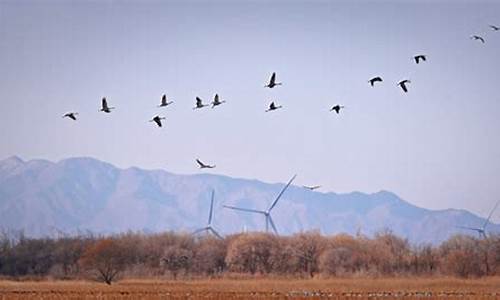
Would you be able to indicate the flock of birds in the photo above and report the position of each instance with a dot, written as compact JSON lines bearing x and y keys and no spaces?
{"x":157,"y":119}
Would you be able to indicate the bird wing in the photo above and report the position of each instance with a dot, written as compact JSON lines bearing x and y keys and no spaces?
{"x":200,"y":163}
{"x":403,"y":86}
{"x":477,"y":37}
{"x":216,"y":98}
{"x":72,"y":116}
{"x":416,"y":59}
{"x":311,"y":187}
{"x":164,"y":100}
{"x":198,"y":101}
{"x":272,"y":106}
{"x":157,"y":120}
{"x":104,"y":103}
{"x":273,"y":78}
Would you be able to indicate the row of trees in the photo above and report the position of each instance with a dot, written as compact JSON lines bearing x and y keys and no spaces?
{"x":303,"y":255}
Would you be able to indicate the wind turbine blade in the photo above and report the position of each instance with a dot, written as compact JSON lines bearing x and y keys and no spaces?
{"x":211,"y":208}
{"x":281,"y":193}
{"x":215,"y":232}
{"x":199,"y":230}
{"x":245,"y":209}
{"x":272,"y":225}
{"x":469,"y":228}
{"x":491,"y":213}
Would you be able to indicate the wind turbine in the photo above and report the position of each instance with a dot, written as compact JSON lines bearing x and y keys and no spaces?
{"x":266,"y":213}
{"x":482,"y":230}
{"x":209,"y":227}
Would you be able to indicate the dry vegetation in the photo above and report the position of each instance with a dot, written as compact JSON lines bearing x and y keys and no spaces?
{"x":389,"y":288}
{"x":254,"y":265}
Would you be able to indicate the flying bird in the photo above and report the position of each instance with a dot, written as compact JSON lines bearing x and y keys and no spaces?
{"x":164,"y":101}
{"x":217,"y":101}
{"x":105,"y":108}
{"x":477,"y":38}
{"x":494,"y":28}
{"x":204,"y":166}
{"x":337,"y":108}
{"x":71,"y":115}
{"x":157,"y":119}
{"x":419,"y":58}
{"x":312,"y":188}
{"x":273,"y":106}
{"x":199,"y":103}
{"x":272,"y":81}
{"x":375,"y":79}
{"x":403,"y":83}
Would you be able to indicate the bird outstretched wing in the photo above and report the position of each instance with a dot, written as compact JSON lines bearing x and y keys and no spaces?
{"x":403,"y":86}
{"x":199,"y":102}
{"x":273,"y":79}
{"x":200,"y":163}
{"x":157,"y":120}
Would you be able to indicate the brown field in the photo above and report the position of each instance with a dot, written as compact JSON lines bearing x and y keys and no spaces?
{"x":388,"y":288}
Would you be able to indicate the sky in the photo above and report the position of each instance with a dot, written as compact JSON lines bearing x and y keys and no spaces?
{"x":436,"y":146}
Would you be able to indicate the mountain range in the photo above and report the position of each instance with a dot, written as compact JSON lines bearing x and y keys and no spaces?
{"x":84,"y":194}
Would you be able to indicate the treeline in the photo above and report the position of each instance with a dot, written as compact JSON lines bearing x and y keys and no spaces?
{"x":308,"y":254}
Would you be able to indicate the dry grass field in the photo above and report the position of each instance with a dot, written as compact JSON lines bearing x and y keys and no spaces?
{"x":388,"y":288}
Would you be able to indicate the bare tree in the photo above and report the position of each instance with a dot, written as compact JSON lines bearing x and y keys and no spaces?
{"x":176,"y":259}
{"x":461,"y":256}
{"x":308,"y":247}
{"x":179,"y":255}
{"x":107,"y":257}
{"x":210,"y":255}
{"x":250,"y":253}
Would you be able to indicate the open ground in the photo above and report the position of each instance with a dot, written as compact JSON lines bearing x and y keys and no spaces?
{"x":359,"y":288}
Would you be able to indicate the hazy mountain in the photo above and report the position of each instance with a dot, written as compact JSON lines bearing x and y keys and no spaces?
{"x":41,"y":197}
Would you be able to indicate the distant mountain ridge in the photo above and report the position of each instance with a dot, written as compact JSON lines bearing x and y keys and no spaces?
{"x":41,"y":197}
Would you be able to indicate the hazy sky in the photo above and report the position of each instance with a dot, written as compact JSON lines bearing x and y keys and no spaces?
{"x":437,"y":146}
